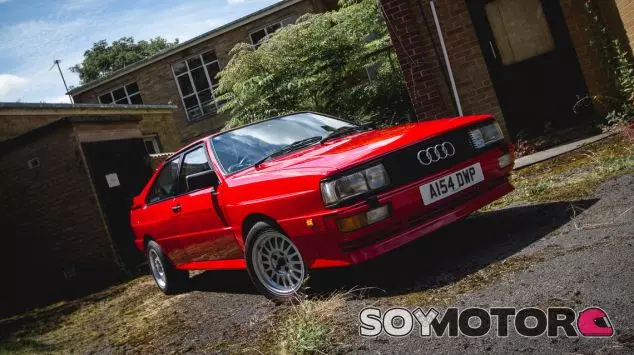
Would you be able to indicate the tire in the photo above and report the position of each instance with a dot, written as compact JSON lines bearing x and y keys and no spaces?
{"x":275,"y":265}
{"x":168,"y":279}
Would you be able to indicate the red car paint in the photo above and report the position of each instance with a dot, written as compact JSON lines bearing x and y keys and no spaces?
{"x":287,"y":190}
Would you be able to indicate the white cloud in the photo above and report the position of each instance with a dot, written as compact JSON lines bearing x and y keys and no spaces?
{"x":10,"y":86}
{"x":28,"y":48}
{"x":3,"y":1}
{"x":235,"y":2}
{"x":64,"y":99}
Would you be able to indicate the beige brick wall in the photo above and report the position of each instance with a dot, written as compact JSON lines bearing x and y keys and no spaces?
{"x":158,"y":86}
{"x":11,"y":126}
{"x":626,"y":11}
{"x":159,"y":123}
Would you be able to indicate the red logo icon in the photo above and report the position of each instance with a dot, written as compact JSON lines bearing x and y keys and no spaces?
{"x":594,"y":322}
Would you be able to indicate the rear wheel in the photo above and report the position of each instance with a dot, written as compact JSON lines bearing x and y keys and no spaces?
{"x":167,"y":277}
{"x":275,"y":265}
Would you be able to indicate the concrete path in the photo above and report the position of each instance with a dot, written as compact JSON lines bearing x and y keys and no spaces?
{"x":553,"y":152}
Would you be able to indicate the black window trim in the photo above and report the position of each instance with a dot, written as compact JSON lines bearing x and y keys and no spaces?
{"x":124,"y":87}
{"x":185,"y":152}
{"x":211,"y":81}
{"x":179,"y":156}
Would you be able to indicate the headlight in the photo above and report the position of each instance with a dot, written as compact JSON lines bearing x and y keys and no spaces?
{"x":486,"y":135}
{"x":354,"y":184}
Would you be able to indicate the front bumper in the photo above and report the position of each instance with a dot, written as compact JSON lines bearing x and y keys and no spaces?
{"x":326,"y":246}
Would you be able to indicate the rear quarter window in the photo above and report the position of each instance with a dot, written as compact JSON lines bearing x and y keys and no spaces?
{"x":166,"y":182}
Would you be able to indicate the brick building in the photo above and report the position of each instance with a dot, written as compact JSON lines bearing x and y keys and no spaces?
{"x":185,"y":75}
{"x":65,"y":192}
{"x":528,"y":62}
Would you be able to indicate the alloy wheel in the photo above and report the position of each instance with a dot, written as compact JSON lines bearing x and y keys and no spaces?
{"x":277,"y":263}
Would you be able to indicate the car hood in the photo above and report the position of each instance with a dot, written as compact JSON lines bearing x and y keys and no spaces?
{"x":342,"y":153}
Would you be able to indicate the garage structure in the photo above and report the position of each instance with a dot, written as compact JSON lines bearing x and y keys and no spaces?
{"x":66,"y":189}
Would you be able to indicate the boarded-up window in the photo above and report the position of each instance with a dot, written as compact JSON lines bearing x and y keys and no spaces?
{"x":520,"y":29}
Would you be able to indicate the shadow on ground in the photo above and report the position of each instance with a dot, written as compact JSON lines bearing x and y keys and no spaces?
{"x":433,"y":261}
{"x":453,"y":253}
{"x":225,"y":281}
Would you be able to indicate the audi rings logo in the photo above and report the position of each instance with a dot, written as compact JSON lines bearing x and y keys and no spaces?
{"x":436,"y":153}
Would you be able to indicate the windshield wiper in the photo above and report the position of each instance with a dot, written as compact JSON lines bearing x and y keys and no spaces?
{"x":343,"y":131}
{"x":289,"y":148}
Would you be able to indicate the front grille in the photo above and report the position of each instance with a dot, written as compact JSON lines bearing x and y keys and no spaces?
{"x":403,"y":165}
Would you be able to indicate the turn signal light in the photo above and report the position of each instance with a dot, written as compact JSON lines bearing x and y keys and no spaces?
{"x":361,"y":220}
{"x":504,"y":160}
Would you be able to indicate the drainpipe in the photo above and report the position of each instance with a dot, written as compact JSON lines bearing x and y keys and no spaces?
{"x":444,"y":52}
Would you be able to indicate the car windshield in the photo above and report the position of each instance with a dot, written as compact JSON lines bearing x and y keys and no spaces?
{"x":244,"y":147}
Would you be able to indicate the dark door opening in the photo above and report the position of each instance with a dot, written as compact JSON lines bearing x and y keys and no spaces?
{"x":119,"y":169}
{"x":532,"y":62}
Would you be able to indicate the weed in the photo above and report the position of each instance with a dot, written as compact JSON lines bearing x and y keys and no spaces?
{"x":570,"y":176}
{"x":308,"y":327}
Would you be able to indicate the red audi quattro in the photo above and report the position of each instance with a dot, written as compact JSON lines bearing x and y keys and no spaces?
{"x":304,"y":191}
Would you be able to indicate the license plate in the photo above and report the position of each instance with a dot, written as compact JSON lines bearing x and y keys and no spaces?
{"x":451,"y":184}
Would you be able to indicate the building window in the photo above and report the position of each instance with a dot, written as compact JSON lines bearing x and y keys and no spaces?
{"x":125,"y":95}
{"x":196,"y":80}
{"x":260,"y":35}
{"x":152,"y":144}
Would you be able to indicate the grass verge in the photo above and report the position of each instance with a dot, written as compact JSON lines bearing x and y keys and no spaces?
{"x":123,"y":317}
{"x":570,"y":176}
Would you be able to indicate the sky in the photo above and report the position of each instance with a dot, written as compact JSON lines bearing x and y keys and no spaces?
{"x":34,"y":33}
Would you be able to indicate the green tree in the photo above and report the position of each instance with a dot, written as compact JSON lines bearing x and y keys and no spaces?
{"x":339,"y":62}
{"x":103,"y":59}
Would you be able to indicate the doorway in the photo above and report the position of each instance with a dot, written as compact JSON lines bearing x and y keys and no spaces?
{"x":532,"y":63}
{"x":119,"y":169}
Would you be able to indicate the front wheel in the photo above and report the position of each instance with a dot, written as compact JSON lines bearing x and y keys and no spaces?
{"x":275,"y":265}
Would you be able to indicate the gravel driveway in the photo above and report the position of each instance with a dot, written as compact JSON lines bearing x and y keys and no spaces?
{"x":575,"y":253}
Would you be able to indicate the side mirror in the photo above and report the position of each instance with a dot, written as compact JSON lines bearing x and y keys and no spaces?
{"x":201,"y":180}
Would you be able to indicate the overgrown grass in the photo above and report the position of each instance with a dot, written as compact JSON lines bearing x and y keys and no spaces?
{"x":125,"y":315}
{"x":570,"y":176}
{"x":311,"y":326}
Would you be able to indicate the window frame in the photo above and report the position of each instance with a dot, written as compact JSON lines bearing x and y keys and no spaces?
{"x":266,"y":32}
{"x":127,"y":95}
{"x":179,"y":156}
{"x":212,"y":85}
{"x":154,"y":139}
{"x":180,"y":167}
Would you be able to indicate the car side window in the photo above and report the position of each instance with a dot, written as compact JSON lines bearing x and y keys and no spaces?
{"x":165,"y":184}
{"x":194,"y":162}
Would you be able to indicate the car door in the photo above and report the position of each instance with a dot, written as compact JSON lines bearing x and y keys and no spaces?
{"x":199,"y":221}
{"x":158,"y":213}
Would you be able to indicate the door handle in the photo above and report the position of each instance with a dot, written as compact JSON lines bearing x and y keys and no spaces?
{"x":493,"y":50}
{"x":176,"y":208}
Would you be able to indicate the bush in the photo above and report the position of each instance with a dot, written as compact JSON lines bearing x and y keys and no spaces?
{"x":339,"y":62}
